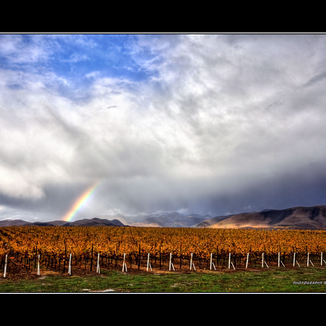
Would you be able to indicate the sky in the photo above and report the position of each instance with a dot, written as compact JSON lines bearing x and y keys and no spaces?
{"x":196,"y":123}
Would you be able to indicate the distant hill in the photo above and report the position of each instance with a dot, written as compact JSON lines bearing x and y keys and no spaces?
{"x":95,"y":222}
{"x":170,"y":219}
{"x":84,"y":222}
{"x":291,"y":218}
{"x":13,"y":222}
{"x":161,"y":219}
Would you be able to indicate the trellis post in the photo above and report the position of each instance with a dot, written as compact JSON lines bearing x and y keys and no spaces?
{"x":148,"y":263}
{"x":308,"y":259}
{"x":294,"y":259}
{"x":124,"y":265}
{"x":5,"y":267}
{"x":211,"y":263}
{"x":192,"y":265}
{"x":98,"y":270}
{"x":38,"y":265}
{"x":279,"y":261}
{"x":321,"y":259}
{"x":247,"y":260}
{"x":69,"y":266}
{"x":171,"y":266}
{"x":263,"y":261}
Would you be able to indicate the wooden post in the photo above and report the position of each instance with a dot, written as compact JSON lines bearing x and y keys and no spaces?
{"x":5,"y":267}
{"x":307,"y":259}
{"x":171,"y":266}
{"x":247,"y":260}
{"x":294,"y":259}
{"x":38,"y":265}
{"x":229,"y":262}
{"x":192,"y":265}
{"x":211,"y":263}
{"x":262,"y":260}
{"x":279,"y":261}
{"x":170,"y":261}
{"x":124,"y":266}
{"x":232,"y":265}
{"x":322,"y":260}
{"x":98,"y":270}
{"x":69,"y":266}
{"x":148,"y":263}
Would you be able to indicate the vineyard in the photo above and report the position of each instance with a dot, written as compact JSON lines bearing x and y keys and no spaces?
{"x":31,"y":249}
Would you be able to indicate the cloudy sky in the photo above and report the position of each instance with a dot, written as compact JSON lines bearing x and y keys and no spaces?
{"x":210,"y":124}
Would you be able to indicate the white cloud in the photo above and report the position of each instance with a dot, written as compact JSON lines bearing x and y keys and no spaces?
{"x":222,"y":114}
{"x":18,"y":51}
{"x":76,"y":57}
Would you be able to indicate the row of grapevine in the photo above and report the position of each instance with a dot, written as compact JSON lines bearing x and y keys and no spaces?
{"x":56,"y":245}
{"x":179,"y":241}
{"x":17,"y":264}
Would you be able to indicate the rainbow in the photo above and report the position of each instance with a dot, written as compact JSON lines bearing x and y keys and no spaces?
{"x":79,"y":202}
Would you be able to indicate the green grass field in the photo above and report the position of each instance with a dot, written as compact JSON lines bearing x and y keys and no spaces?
{"x":267,"y":281}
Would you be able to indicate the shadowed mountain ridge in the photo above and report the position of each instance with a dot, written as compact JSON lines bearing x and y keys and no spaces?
{"x":293,"y":218}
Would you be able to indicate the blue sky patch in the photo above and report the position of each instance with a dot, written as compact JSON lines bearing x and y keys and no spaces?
{"x":76,"y":58}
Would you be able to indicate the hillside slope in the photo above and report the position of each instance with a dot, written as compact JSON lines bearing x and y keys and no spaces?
{"x":294,"y":218}
{"x":84,"y":222}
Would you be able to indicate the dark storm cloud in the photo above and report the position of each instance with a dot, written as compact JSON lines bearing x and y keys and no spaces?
{"x":315,"y":79}
{"x":299,"y":188}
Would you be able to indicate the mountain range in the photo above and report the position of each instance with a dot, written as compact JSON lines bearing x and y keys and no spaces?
{"x":292,"y":218}
{"x":170,"y":219}
{"x":84,"y":222}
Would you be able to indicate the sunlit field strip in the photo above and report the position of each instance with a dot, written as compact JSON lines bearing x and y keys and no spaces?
{"x":29,"y":249}
{"x":202,"y":242}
